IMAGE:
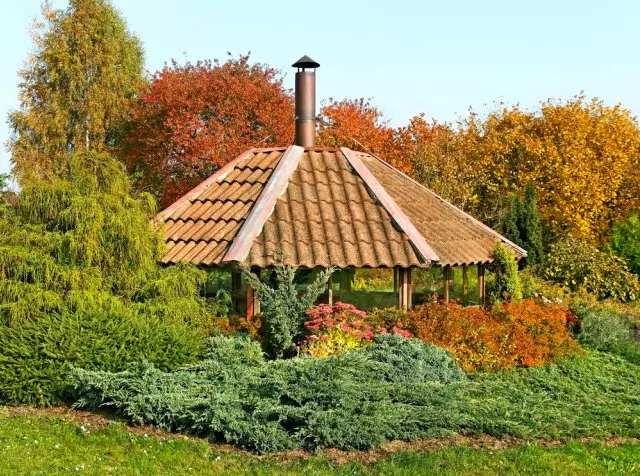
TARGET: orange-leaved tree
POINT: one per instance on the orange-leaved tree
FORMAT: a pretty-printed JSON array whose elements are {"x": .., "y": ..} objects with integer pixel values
[
  {"x": 359, "y": 125},
  {"x": 192, "y": 119}
]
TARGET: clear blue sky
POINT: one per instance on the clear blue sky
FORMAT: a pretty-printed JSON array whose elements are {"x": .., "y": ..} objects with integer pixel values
[{"x": 439, "y": 58}]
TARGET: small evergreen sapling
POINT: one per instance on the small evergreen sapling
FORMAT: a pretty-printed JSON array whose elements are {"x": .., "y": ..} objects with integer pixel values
[
  {"x": 506, "y": 285},
  {"x": 283, "y": 306}
]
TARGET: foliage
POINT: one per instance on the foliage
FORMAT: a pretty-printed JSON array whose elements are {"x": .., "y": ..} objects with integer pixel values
[
  {"x": 283, "y": 306},
  {"x": 581, "y": 155},
  {"x": 35, "y": 356},
  {"x": 344, "y": 402},
  {"x": 75, "y": 88},
  {"x": 505, "y": 284},
  {"x": 522, "y": 225},
  {"x": 578, "y": 265},
  {"x": 361, "y": 126},
  {"x": 603, "y": 330},
  {"x": 79, "y": 283},
  {"x": 408, "y": 360},
  {"x": 515, "y": 334},
  {"x": 335, "y": 329},
  {"x": 625, "y": 241},
  {"x": 439, "y": 162},
  {"x": 192, "y": 119},
  {"x": 105, "y": 444}
]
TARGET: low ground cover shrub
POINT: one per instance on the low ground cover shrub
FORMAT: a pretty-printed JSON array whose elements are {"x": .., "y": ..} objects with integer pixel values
[
  {"x": 514, "y": 334},
  {"x": 35, "y": 356},
  {"x": 345, "y": 401},
  {"x": 400, "y": 359}
]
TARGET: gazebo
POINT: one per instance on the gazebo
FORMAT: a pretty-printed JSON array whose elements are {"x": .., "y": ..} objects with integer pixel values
[{"x": 311, "y": 207}]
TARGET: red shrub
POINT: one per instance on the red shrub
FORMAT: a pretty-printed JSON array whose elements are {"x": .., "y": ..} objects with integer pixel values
[{"x": 516, "y": 334}]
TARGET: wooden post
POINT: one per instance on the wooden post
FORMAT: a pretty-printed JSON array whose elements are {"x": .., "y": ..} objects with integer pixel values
[
  {"x": 404, "y": 288},
  {"x": 482, "y": 300},
  {"x": 253, "y": 303},
  {"x": 409, "y": 290},
  {"x": 330, "y": 291},
  {"x": 465, "y": 285},
  {"x": 446, "y": 276}
]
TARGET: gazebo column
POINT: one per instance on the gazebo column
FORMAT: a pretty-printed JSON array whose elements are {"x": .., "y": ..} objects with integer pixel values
[
  {"x": 447, "y": 276},
  {"x": 465, "y": 285},
  {"x": 482, "y": 299},
  {"x": 330, "y": 291},
  {"x": 404, "y": 288},
  {"x": 253, "y": 303}
]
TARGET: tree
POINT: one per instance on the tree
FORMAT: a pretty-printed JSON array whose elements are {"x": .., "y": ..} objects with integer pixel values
[
  {"x": 440, "y": 163},
  {"x": 581, "y": 156},
  {"x": 357, "y": 124},
  {"x": 192, "y": 119},
  {"x": 75, "y": 88},
  {"x": 87, "y": 245},
  {"x": 505, "y": 284},
  {"x": 522, "y": 225},
  {"x": 625, "y": 241},
  {"x": 283, "y": 306}
]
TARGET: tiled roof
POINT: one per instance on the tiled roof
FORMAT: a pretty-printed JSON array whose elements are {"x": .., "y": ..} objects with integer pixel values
[{"x": 311, "y": 207}]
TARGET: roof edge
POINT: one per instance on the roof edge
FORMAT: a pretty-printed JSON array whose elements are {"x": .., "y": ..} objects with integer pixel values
[
  {"x": 194, "y": 192},
  {"x": 389, "y": 204},
  {"x": 264, "y": 205},
  {"x": 451, "y": 205}
]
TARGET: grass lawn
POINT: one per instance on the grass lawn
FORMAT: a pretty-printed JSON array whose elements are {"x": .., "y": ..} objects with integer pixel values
[{"x": 42, "y": 443}]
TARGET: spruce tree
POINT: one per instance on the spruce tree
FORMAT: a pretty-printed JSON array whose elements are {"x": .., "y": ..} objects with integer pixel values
[
  {"x": 511, "y": 221},
  {"x": 74, "y": 89},
  {"x": 531, "y": 227}
]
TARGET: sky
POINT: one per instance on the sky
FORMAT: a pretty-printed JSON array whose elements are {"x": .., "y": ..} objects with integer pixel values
[{"x": 409, "y": 57}]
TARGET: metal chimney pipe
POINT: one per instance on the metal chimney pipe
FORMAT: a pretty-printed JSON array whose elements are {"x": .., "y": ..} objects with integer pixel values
[{"x": 305, "y": 92}]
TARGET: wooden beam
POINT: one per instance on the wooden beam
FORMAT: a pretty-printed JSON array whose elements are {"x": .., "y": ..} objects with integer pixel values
[
  {"x": 482, "y": 298},
  {"x": 446, "y": 277},
  {"x": 404, "y": 294},
  {"x": 253, "y": 303},
  {"x": 465, "y": 285}
]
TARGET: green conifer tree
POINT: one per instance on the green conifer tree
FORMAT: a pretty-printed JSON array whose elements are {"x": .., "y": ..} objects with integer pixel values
[
  {"x": 74, "y": 89},
  {"x": 531, "y": 227}
]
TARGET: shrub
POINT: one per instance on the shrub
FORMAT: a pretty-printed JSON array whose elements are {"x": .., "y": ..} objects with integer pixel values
[
  {"x": 505, "y": 281},
  {"x": 515, "y": 334},
  {"x": 35, "y": 356},
  {"x": 605, "y": 330},
  {"x": 578, "y": 265},
  {"x": 344, "y": 402},
  {"x": 400, "y": 359},
  {"x": 625, "y": 241},
  {"x": 334, "y": 329},
  {"x": 283, "y": 306},
  {"x": 522, "y": 225}
]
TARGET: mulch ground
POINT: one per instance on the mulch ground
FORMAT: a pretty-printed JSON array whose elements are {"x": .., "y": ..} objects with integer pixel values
[{"x": 94, "y": 420}]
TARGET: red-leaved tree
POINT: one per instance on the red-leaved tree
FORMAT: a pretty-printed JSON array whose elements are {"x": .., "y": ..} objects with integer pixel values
[
  {"x": 357, "y": 124},
  {"x": 192, "y": 119}
]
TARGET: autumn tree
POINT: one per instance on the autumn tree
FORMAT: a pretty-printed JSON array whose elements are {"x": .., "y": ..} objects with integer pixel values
[
  {"x": 359, "y": 125},
  {"x": 192, "y": 119},
  {"x": 440, "y": 163},
  {"x": 74, "y": 88},
  {"x": 580, "y": 155}
]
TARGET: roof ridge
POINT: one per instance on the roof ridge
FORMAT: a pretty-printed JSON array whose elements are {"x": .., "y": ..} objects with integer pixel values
[
  {"x": 391, "y": 207},
  {"x": 451, "y": 205},
  {"x": 264, "y": 205},
  {"x": 196, "y": 191}
]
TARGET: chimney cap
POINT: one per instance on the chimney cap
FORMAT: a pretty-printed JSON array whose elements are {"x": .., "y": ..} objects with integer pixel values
[{"x": 306, "y": 62}]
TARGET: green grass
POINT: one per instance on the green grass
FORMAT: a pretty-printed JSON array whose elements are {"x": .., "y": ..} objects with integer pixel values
[{"x": 51, "y": 445}]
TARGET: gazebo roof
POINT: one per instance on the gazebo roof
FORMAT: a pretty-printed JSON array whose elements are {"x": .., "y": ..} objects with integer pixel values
[{"x": 320, "y": 207}]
